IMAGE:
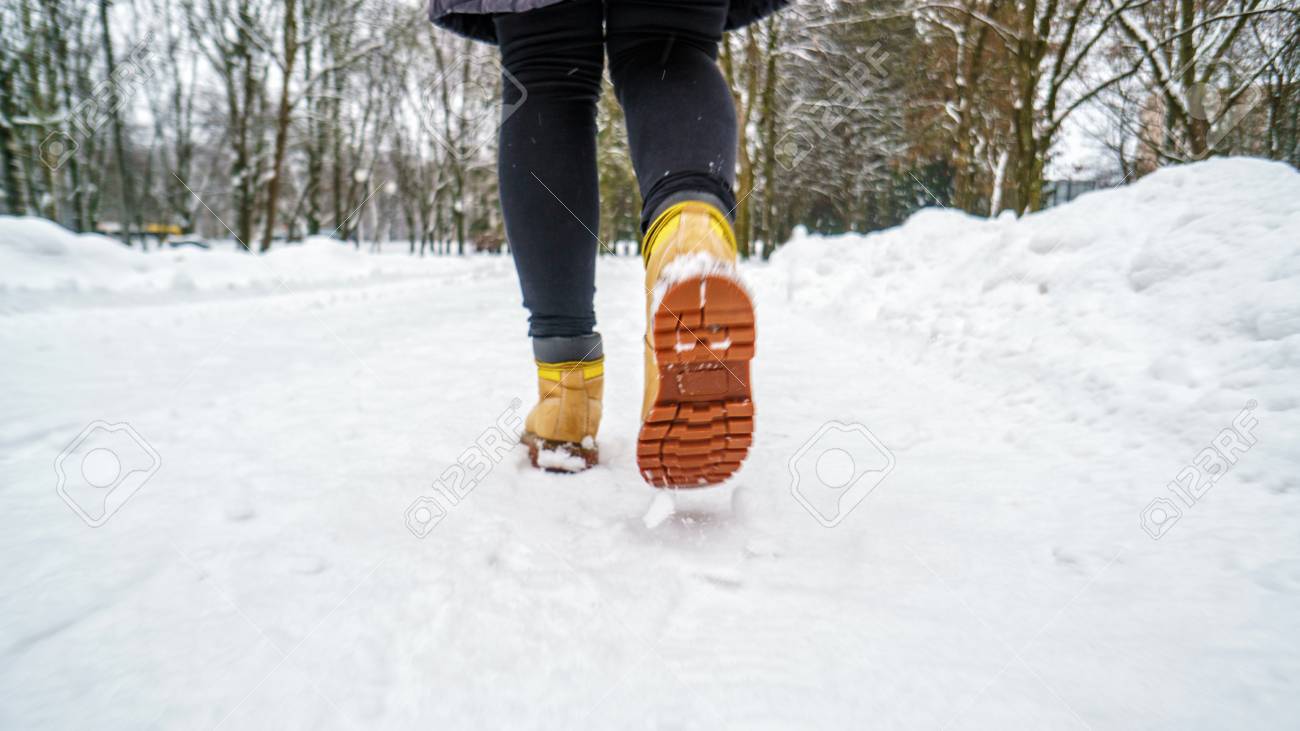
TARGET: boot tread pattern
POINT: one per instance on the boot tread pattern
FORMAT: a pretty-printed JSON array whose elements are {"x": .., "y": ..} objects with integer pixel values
[{"x": 702, "y": 422}]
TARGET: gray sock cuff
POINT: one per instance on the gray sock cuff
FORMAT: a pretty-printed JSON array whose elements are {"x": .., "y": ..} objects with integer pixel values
[
  {"x": 562, "y": 349},
  {"x": 682, "y": 196}
]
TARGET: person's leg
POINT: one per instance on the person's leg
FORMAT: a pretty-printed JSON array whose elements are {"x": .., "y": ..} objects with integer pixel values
[
  {"x": 681, "y": 120},
  {"x": 697, "y": 413},
  {"x": 547, "y": 170},
  {"x": 551, "y": 202}
]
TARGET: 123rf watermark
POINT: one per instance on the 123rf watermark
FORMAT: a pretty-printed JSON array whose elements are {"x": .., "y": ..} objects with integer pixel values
[
  {"x": 461, "y": 108},
  {"x": 106, "y": 99},
  {"x": 469, "y": 469},
  {"x": 835, "y": 470},
  {"x": 1195, "y": 480},
  {"x": 1221, "y": 97},
  {"x": 102, "y": 468},
  {"x": 820, "y": 120}
]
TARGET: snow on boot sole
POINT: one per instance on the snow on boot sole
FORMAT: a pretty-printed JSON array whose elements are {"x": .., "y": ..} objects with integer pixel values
[
  {"x": 551, "y": 455},
  {"x": 701, "y": 424}
]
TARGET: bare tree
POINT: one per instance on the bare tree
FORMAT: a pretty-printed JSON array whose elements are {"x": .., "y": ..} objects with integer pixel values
[{"x": 1195, "y": 50}]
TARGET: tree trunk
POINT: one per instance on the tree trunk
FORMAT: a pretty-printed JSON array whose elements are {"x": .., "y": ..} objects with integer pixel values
[
  {"x": 314, "y": 140},
  {"x": 241, "y": 94},
  {"x": 1028, "y": 164},
  {"x": 281, "y": 120},
  {"x": 336, "y": 138},
  {"x": 15, "y": 193},
  {"x": 1196, "y": 126},
  {"x": 999, "y": 182},
  {"x": 130, "y": 215},
  {"x": 63, "y": 71},
  {"x": 458, "y": 211},
  {"x": 767, "y": 226},
  {"x": 40, "y": 107},
  {"x": 743, "y": 105}
]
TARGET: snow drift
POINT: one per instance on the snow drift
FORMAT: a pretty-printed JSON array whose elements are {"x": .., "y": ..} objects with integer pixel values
[
  {"x": 1177, "y": 294},
  {"x": 38, "y": 257}
]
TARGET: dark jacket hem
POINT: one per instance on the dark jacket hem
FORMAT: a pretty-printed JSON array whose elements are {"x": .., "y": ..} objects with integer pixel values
[{"x": 479, "y": 26}]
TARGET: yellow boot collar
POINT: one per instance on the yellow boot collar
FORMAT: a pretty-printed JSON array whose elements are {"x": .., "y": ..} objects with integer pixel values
[
  {"x": 666, "y": 223},
  {"x": 554, "y": 371}
]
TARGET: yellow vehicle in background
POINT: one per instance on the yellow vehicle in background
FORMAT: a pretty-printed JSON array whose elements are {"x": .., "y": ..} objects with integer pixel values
[
  {"x": 162, "y": 230},
  {"x": 161, "y": 234}
]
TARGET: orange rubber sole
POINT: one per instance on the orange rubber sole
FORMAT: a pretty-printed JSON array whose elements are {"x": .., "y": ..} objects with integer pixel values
[{"x": 701, "y": 424}]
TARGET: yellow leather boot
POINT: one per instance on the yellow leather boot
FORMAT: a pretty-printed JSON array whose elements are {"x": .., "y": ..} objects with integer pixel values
[
  {"x": 697, "y": 414},
  {"x": 560, "y": 431}
]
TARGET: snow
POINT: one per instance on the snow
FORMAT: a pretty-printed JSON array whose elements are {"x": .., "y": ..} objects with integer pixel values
[
  {"x": 661, "y": 509},
  {"x": 561, "y": 460},
  {"x": 41, "y": 263},
  {"x": 692, "y": 266},
  {"x": 1032, "y": 387}
]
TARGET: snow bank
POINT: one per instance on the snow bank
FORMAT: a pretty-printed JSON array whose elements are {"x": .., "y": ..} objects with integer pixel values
[
  {"x": 39, "y": 256},
  {"x": 1179, "y": 292},
  {"x": 1183, "y": 289}
]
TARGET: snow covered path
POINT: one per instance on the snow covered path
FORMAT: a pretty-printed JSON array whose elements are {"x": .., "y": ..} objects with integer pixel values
[{"x": 998, "y": 576}]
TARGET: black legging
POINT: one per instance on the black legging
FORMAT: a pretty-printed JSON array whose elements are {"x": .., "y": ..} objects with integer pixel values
[{"x": 681, "y": 126}]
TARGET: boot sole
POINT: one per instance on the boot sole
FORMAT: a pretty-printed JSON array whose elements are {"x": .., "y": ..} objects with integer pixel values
[{"x": 701, "y": 424}]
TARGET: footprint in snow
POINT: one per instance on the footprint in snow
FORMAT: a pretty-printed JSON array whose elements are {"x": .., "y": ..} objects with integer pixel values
[{"x": 306, "y": 565}]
